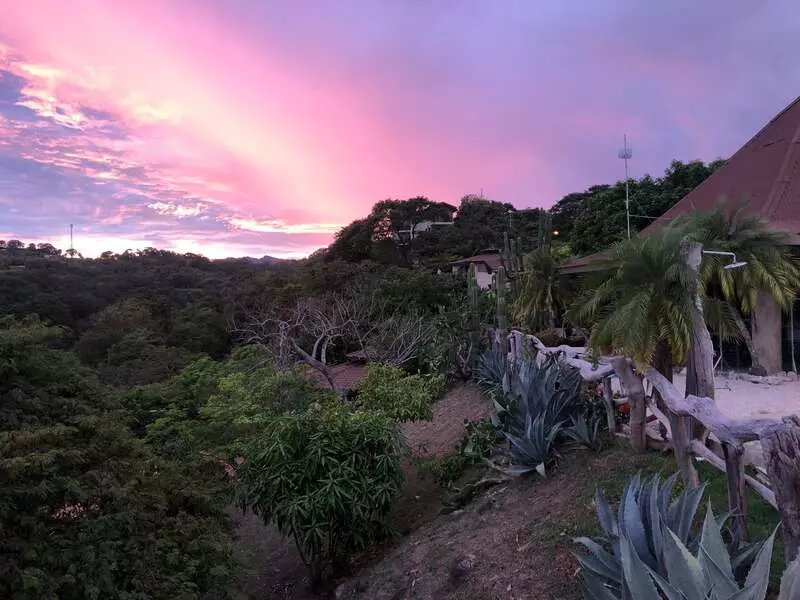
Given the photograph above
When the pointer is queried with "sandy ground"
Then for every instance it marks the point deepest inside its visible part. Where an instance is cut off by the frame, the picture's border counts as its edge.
(741, 397)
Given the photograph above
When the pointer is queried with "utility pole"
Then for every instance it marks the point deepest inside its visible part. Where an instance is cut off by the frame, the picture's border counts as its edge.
(625, 154)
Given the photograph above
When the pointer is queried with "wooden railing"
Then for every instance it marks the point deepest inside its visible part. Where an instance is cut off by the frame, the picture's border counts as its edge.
(717, 439)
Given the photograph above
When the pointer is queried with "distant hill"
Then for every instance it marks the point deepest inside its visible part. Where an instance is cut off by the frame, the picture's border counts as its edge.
(264, 260)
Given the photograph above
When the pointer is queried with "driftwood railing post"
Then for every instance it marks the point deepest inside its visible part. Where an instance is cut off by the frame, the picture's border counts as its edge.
(608, 401)
(737, 500)
(782, 457)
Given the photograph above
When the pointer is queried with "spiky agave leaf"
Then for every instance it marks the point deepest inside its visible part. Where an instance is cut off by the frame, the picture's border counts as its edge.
(790, 581)
(585, 432)
(648, 554)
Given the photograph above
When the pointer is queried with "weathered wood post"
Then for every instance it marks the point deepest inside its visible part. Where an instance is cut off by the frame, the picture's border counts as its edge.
(782, 458)
(737, 501)
(608, 401)
(635, 390)
(700, 382)
(700, 374)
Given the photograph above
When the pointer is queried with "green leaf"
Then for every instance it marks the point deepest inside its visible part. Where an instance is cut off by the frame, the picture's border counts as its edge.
(605, 515)
(758, 576)
(790, 582)
(595, 589)
(601, 562)
(714, 558)
(683, 569)
(637, 578)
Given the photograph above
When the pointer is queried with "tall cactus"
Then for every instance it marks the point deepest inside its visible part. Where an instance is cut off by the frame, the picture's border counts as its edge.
(500, 284)
(473, 319)
(520, 260)
(502, 322)
(512, 263)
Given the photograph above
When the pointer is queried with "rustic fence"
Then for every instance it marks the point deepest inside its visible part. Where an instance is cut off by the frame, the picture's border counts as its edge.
(693, 427)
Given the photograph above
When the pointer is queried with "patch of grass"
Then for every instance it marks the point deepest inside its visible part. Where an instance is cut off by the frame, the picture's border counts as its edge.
(444, 470)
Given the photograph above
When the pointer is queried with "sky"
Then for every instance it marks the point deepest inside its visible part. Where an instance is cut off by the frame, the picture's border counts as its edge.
(252, 127)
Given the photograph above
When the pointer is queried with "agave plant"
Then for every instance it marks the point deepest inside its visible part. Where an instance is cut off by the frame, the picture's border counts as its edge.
(585, 431)
(704, 575)
(651, 525)
(492, 370)
(539, 396)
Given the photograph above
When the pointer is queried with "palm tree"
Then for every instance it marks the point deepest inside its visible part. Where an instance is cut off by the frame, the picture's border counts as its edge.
(539, 299)
(770, 267)
(641, 304)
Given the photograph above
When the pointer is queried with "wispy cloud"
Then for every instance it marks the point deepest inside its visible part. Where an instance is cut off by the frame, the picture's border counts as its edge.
(263, 127)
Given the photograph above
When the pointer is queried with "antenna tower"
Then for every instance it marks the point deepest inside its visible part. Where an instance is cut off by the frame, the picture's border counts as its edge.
(625, 154)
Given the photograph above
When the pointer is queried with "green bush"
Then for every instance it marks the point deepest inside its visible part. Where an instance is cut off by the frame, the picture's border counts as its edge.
(476, 445)
(402, 396)
(327, 477)
(444, 470)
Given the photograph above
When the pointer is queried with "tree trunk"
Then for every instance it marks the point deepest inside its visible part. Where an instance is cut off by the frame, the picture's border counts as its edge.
(747, 337)
(635, 390)
(318, 366)
(701, 355)
(662, 362)
(700, 374)
(782, 458)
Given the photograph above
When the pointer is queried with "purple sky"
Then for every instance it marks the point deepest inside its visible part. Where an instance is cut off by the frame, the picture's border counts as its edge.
(261, 127)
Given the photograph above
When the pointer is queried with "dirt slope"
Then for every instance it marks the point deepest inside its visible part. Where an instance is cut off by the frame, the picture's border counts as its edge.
(512, 543)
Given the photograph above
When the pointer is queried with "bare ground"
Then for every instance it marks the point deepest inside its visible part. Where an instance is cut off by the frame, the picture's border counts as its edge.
(273, 569)
(514, 542)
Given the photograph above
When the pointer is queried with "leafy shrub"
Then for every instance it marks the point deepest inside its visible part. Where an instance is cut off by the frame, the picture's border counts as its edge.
(444, 470)
(540, 396)
(658, 532)
(479, 438)
(326, 477)
(476, 445)
(402, 396)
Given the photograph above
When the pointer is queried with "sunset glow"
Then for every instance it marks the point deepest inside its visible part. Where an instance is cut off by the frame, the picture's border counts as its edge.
(251, 128)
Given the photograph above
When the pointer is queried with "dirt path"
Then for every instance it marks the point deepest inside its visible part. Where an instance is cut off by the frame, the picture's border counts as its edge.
(513, 543)
(273, 568)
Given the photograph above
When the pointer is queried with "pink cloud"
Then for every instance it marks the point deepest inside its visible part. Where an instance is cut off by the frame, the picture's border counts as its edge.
(277, 121)
(194, 104)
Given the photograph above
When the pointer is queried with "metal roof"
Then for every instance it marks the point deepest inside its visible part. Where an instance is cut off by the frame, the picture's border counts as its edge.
(764, 175)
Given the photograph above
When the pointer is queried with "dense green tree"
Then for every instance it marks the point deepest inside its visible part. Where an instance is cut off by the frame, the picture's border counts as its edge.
(110, 327)
(353, 243)
(593, 220)
(86, 511)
